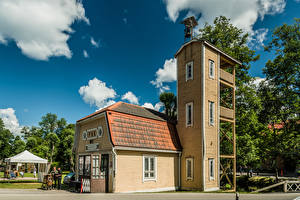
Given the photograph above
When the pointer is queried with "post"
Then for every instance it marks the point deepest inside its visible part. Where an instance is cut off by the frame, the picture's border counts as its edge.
(233, 133)
(285, 186)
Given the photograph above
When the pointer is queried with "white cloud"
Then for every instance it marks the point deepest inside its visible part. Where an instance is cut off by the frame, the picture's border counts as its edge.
(85, 54)
(243, 13)
(257, 38)
(40, 29)
(156, 107)
(166, 74)
(97, 93)
(257, 80)
(129, 96)
(10, 120)
(94, 43)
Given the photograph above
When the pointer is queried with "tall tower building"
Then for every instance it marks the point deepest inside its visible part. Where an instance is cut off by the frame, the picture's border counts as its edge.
(206, 117)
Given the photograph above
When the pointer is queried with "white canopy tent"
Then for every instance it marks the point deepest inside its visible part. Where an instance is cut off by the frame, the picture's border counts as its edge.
(27, 158)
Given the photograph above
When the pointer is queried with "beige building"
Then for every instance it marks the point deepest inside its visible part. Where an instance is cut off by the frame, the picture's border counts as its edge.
(128, 148)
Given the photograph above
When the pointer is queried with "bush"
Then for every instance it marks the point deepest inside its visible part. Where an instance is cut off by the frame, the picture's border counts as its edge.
(54, 164)
(244, 183)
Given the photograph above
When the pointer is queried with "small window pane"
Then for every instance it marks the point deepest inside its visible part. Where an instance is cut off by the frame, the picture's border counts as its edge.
(211, 68)
(146, 164)
(189, 168)
(151, 164)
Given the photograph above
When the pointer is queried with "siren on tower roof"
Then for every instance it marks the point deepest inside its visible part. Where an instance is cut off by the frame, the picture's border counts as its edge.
(189, 24)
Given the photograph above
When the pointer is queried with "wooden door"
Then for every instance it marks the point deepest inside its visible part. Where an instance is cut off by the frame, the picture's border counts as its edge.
(100, 168)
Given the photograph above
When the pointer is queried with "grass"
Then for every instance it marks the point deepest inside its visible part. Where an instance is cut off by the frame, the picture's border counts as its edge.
(25, 175)
(20, 185)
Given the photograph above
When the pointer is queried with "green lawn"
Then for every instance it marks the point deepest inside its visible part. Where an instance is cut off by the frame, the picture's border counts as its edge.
(20, 185)
(25, 175)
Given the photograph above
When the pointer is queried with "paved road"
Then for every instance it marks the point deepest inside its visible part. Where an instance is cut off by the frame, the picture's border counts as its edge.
(12, 194)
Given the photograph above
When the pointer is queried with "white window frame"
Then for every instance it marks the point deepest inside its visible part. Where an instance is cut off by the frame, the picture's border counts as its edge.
(96, 168)
(211, 70)
(155, 168)
(192, 71)
(211, 167)
(192, 169)
(211, 113)
(192, 114)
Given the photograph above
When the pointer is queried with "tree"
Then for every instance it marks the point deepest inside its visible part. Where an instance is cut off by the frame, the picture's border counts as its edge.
(283, 73)
(31, 143)
(49, 123)
(52, 140)
(6, 140)
(64, 152)
(18, 145)
(170, 104)
(280, 96)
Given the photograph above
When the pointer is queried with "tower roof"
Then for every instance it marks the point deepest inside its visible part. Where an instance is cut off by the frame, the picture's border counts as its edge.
(210, 45)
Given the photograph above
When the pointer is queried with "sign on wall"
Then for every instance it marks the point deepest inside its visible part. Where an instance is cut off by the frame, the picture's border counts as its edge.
(93, 133)
(92, 147)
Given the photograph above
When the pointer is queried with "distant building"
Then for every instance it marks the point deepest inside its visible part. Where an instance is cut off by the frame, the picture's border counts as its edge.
(128, 148)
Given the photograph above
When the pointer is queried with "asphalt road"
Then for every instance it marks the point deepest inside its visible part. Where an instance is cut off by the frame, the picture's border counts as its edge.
(12, 194)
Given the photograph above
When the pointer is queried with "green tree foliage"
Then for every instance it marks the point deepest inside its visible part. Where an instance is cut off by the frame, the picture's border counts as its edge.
(64, 153)
(280, 97)
(49, 123)
(6, 141)
(18, 145)
(55, 146)
(52, 140)
(170, 103)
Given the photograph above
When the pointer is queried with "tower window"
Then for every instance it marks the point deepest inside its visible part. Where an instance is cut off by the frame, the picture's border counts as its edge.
(189, 71)
(211, 113)
(189, 114)
(211, 69)
(211, 163)
(189, 162)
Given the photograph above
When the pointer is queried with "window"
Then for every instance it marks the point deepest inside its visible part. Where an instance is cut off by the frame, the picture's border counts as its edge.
(95, 171)
(189, 71)
(189, 168)
(189, 114)
(80, 165)
(100, 131)
(211, 113)
(87, 165)
(149, 172)
(211, 69)
(211, 163)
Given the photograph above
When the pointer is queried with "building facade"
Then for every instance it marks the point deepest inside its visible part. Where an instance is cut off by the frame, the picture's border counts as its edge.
(204, 75)
(128, 148)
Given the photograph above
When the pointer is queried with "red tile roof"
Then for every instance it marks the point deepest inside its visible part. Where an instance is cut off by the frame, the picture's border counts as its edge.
(139, 127)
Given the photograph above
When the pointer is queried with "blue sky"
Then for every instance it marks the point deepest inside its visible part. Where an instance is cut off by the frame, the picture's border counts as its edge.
(44, 67)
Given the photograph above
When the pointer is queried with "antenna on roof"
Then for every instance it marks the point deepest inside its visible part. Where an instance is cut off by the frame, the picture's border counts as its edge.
(189, 24)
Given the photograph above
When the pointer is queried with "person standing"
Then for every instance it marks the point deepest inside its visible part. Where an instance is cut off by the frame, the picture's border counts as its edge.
(54, 174)
(34, 172)
(59, 174)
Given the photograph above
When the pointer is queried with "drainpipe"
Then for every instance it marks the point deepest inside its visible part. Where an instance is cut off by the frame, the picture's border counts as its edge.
(203, 116)
(114, 168)
(179, 171)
